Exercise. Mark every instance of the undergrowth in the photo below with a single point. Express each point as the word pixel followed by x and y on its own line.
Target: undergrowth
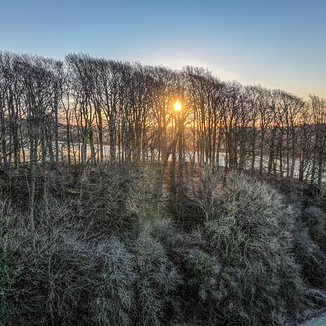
pixel 112 252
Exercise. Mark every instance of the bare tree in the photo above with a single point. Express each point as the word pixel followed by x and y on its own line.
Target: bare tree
pixel 318 110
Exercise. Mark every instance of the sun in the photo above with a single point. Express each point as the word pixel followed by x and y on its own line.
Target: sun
pixel 177 106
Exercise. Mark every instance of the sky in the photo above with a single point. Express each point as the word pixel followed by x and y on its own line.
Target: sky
pixel 274 43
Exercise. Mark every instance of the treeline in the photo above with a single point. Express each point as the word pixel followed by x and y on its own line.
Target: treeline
pixel 89 111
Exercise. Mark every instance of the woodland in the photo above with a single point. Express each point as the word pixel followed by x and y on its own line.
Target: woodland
pixel 141 195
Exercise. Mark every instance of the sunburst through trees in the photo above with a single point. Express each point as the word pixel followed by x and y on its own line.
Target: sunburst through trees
pixel 89 111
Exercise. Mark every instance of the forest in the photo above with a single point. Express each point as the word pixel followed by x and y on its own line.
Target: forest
pixel 91 111
pixel 141 195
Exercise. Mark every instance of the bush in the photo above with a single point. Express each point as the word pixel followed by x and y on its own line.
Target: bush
pixel 116 303
pixel 235 267
pixel 157 282
pixel 310 257
pixel 51 270
pixel 144 201
pixel 202 289
pixel 102 197
pixel 4 277
pixel 5 215
pixel 315 220
pixel 251 234
pixel 3 285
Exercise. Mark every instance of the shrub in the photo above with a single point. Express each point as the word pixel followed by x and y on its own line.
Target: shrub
pixel 102 197
pixel 4 277
pixel 157 282
pixel 200 200
pixel 144 201
pixel 5 215
pixel 116 301
pixel 202 289
pixel 235 267
pixel 52 281
pixel 51 270
pixel 315 220
pixel 311 258
pixel 251 234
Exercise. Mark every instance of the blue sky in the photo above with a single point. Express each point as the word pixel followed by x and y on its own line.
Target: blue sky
pixel 278 44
